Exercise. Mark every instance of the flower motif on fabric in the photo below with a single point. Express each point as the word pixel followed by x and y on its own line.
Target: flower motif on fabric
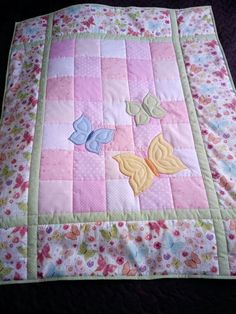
pixel 142 171
pixel 93 139
pixel 149 108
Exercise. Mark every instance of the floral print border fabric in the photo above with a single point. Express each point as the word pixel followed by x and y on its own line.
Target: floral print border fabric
pixel 124 54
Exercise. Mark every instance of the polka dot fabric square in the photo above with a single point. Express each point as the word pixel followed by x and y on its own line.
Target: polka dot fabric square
pixel 95 78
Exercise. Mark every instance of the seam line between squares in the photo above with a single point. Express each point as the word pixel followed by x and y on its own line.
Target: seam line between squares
pixel 154 83
pixel 132 119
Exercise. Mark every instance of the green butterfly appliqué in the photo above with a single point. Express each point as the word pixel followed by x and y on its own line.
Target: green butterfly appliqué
pixel 142 112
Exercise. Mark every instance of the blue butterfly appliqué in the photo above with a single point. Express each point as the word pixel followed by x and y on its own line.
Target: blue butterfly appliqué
pixel 84 134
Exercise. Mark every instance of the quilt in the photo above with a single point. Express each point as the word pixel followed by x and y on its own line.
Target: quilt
pixel 117 147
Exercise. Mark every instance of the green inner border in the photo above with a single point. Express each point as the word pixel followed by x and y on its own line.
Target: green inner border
pixel 215 213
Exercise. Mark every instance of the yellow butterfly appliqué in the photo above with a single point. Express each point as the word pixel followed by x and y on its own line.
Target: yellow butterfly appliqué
pixel 142 171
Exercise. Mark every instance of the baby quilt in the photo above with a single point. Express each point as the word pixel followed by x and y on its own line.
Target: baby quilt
pixel 117 147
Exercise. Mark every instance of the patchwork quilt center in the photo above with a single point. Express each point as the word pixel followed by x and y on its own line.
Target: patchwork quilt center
pixel 99 80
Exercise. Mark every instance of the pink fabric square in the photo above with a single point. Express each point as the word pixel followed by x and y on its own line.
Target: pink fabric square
pixel 64 48
pixel 88 166
pixel 93 110
pixel 189 192
pixel 178 135
pixel 120 197
pixel 169 90
pixel 162 51
pixel 88 66
pixel 56 136
pixel 87 47
pixel 89 196
pixel 139 89
pixel 157 196
pixel 115 91
pixel 122 139
pixel 59 111
pixel 56 165
pixel 138 50
pixel 176 112
pixel 55 197
pixel 88 89
pixel 114 68
pixel 166 70
pixel 61 88
pixel 144 134
pixel 61 67
pixel 139 70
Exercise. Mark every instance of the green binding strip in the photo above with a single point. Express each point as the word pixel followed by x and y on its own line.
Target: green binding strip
pixel 204 165
pixel 179 214
pixel 104 36
pixel 35 160
pixel 121 277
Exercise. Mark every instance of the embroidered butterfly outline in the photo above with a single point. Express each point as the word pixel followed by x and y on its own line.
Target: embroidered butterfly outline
pixel 93 139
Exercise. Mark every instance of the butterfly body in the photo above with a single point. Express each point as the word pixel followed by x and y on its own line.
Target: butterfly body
pixel 73 234
pixel 93 139
pixel 151 166
pixel 142 171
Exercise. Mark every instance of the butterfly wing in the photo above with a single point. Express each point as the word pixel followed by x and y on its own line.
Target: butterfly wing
pixel 160 152
pixel 4 271
pixel 101 263
pixel 53 272
pixel 168 241
pixel 83 128
pixel 109 269
pixel 152 106
pixel 133 108
pixel 99 137
pixel 128 271
pixel 73 234
pixel 134 167
pixel 176 247
pixel 190 263
pixel 195 258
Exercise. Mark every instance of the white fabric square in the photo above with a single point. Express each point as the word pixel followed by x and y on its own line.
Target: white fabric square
pixel 113 48
pixel 56 136
pixel 169 90
pixel 116 114
pixel 61 67
pixel 120 196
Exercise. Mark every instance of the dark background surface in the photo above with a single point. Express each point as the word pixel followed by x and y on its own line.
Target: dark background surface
pixel 154 296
